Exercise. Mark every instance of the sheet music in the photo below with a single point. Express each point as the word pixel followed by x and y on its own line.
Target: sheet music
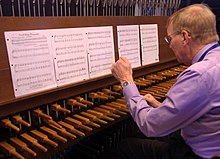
pixel 100 47
pixel 128 43
pixel 149 43
pixel 31 62
pixel 70 56
pixel 44 59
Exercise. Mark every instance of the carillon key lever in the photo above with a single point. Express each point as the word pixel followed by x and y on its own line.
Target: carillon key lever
pixel 81 100
pixel 8 149
pixel 112 109
pixel 53 134
pixel 105 95
pixel 43 138
pixel 100 115
pixel 93 118
pixel 21 146
pixel 74 102
pixel 86 120
pixel 77 123
pixel 71 128
pixel 106 112
pixel 117 87
pixel 62 131
pixel 95 96
pixel 118 106
pixel 19 120
pixel 39 113
pixel 32 141
pixel 50 121
pixel 7 124
pixel 57 107
pixel 108 91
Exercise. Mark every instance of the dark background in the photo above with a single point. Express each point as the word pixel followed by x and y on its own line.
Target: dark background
pixel 213 4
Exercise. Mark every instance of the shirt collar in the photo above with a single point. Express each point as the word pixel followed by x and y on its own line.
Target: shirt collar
pixel 199 54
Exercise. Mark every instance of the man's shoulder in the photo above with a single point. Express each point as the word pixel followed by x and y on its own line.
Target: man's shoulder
pixel 204 69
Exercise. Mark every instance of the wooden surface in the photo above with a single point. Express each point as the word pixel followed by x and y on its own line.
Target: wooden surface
pixel 10 105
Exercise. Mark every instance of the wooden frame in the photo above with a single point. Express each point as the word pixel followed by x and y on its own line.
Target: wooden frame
pixel 10 105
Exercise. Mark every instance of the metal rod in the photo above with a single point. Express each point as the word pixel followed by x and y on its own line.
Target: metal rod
pixel 24 10
pixel 34 7
pixel 91 6
pixel 38 4
pixel 29 8
pixel 105 6
pixel 57 6
pixel 19 8
pixel 65 8
pixel 87 7
pixel 44 5
pixel 94 7
pixel 112 9
pixel 84 7
pixel 97 7
pixel 61 7
pixel 13 7
pixel 1 13
pixel 52 7
pixel 69 7
pixel 80 8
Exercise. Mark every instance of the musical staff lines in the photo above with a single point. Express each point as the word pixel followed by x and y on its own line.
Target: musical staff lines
pixel 71 62
pixel 30 52
pixel 99 34
pixel 34 81
pixel 128 43
pixel 46 59
pixel 32 66
pixel 71 70
pixel 68 37
pixel 70 56
pixel 25 39
pixel 30 59
pixel 149 43
pixel 72 74
pixel 74 49
pixel 100 46
pixel 95 69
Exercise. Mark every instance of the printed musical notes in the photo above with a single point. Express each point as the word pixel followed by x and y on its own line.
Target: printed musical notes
pixel 128 43
pixel 30 60
pixel 100 44
pixel 70 56
pixel 45 59
pixel 149 43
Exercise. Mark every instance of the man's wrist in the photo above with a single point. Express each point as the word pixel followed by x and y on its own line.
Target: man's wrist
pixel 126 83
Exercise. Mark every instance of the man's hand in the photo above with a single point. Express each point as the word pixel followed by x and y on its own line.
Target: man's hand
pixel 122 70
pixel 151 100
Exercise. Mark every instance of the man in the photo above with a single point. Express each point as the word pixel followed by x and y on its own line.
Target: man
pixel 192 105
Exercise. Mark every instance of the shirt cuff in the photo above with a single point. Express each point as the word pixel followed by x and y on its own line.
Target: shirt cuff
pixel 130 91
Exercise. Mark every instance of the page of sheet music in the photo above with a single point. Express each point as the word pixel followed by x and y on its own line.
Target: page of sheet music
pixel 149 43
pixel 100 47
pixel 128 44
pixel 44 59
pixel 70 56
pixel 31 61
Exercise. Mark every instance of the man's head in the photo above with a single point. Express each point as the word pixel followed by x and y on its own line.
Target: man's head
pixel 189 29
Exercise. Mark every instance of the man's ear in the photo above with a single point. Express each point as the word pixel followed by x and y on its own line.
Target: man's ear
pixel 186 37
